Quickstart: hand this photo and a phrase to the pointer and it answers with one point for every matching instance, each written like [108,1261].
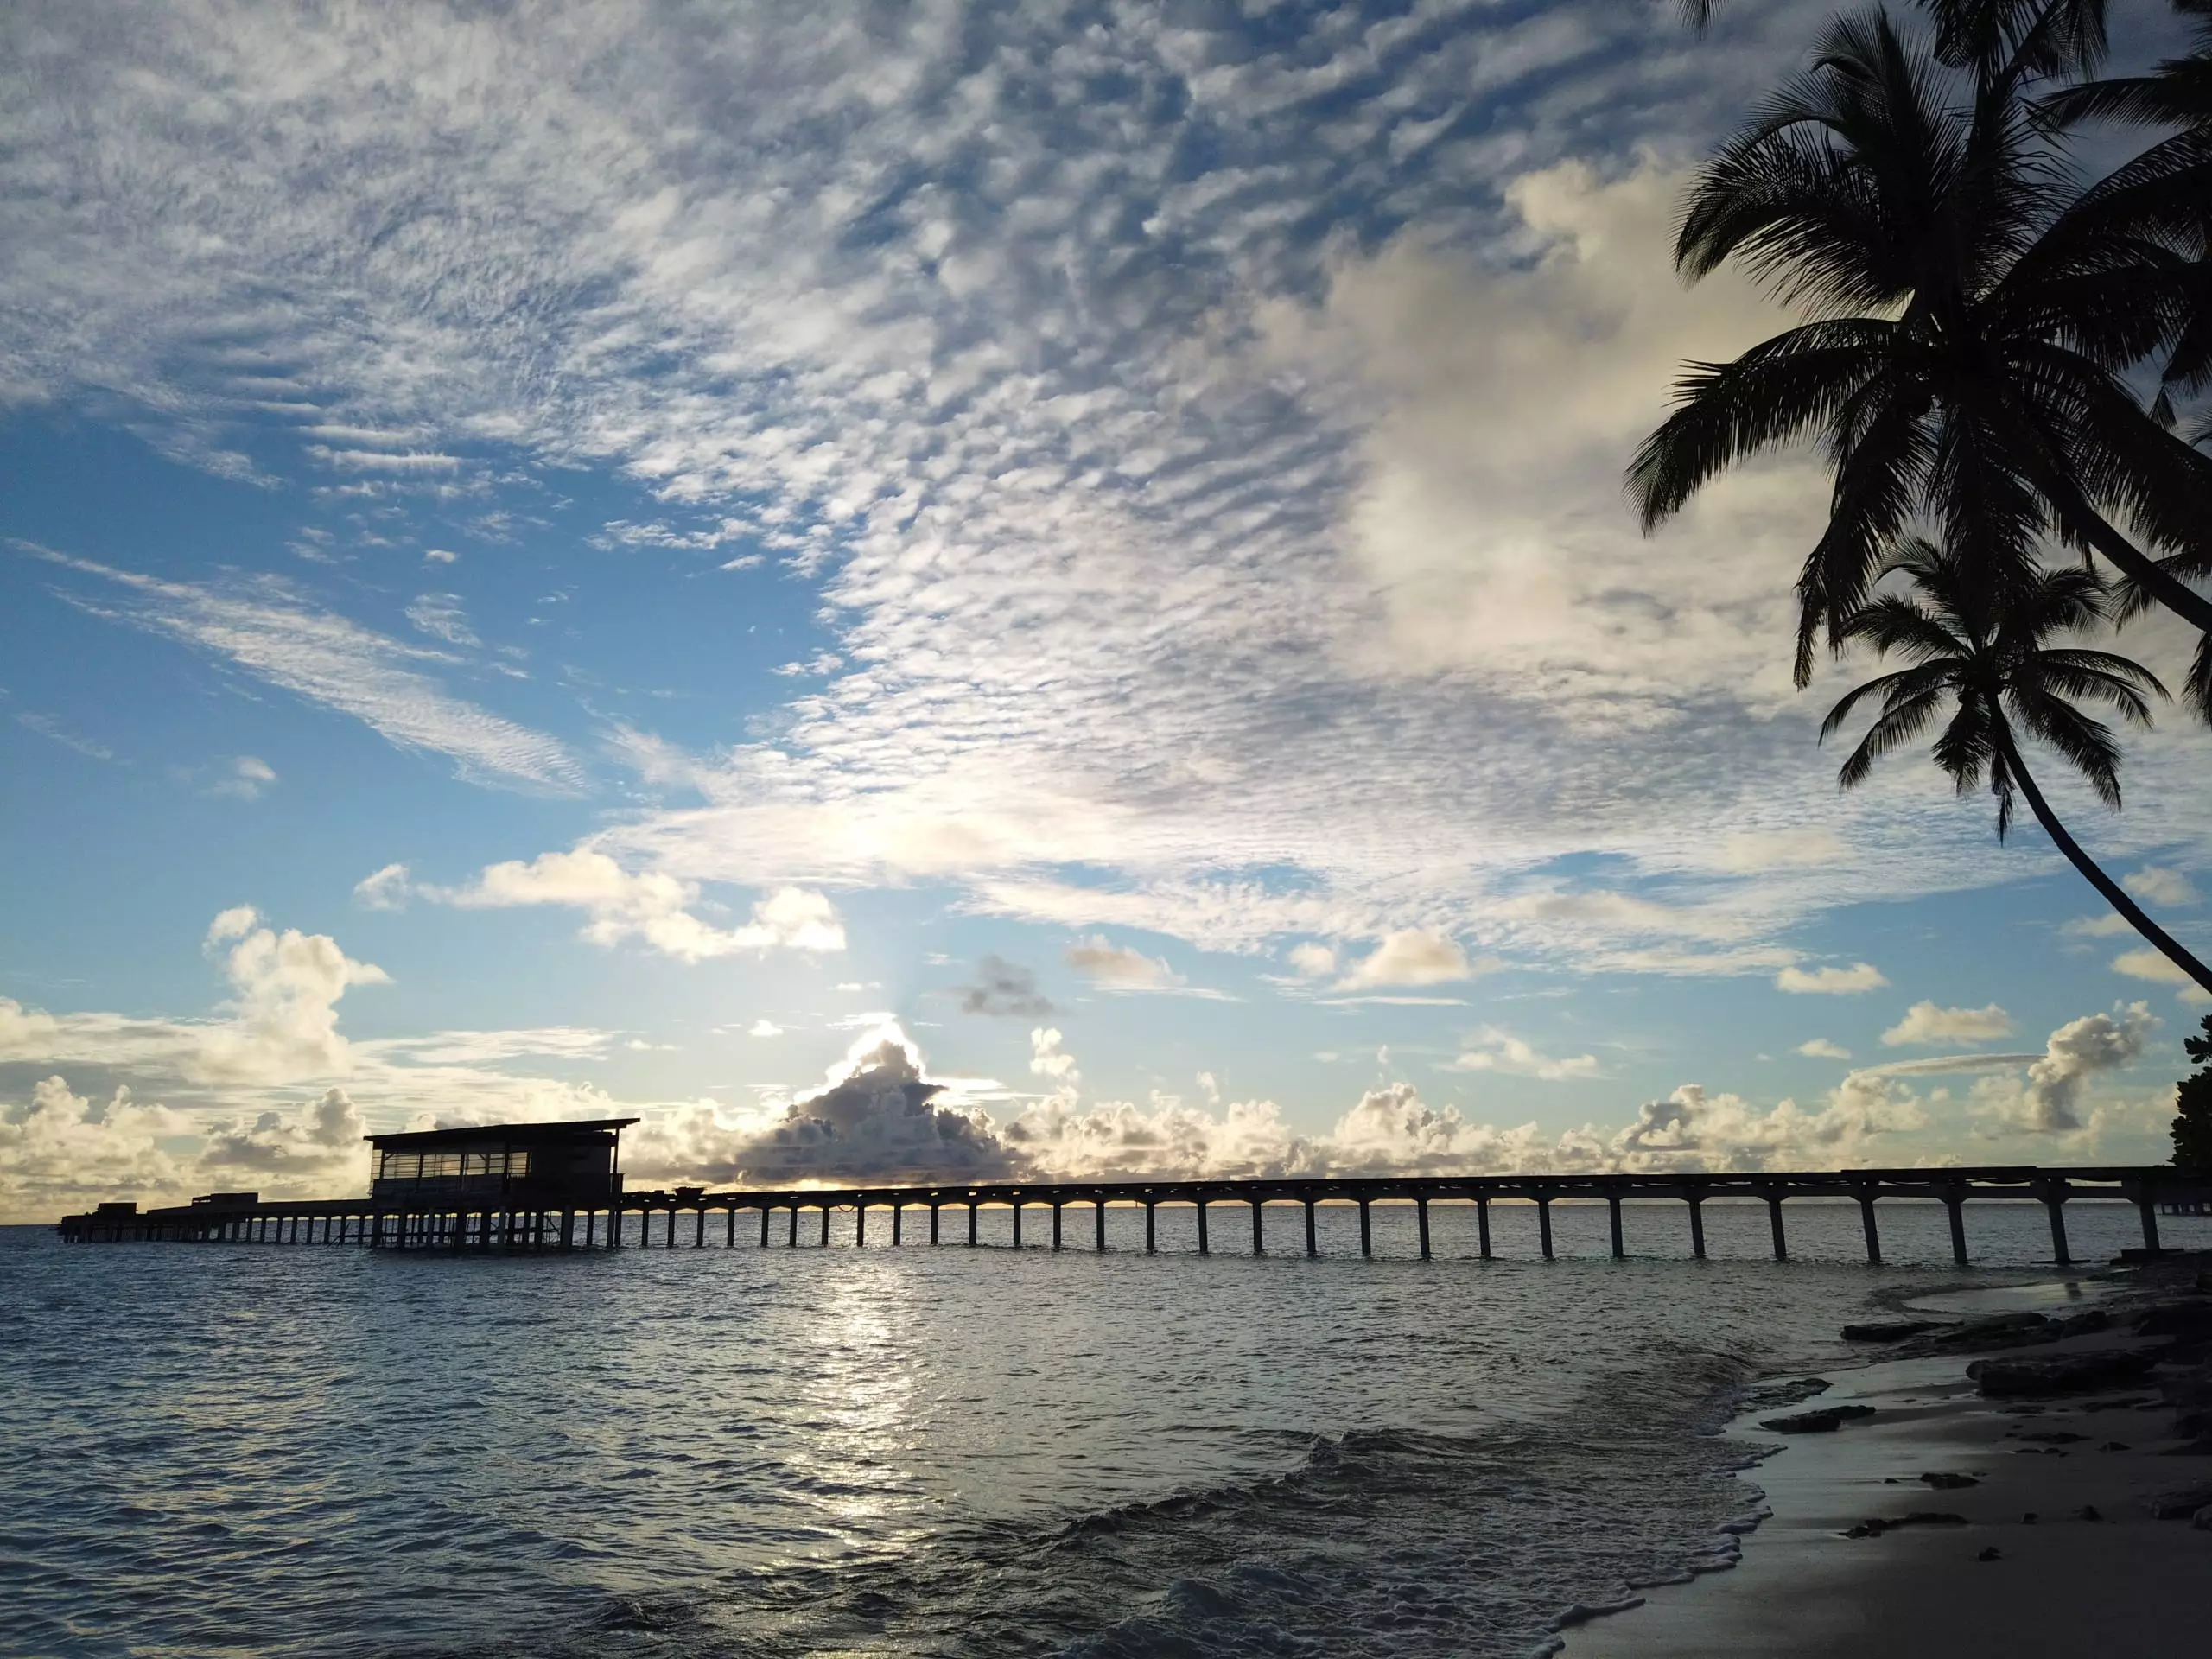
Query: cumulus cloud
[1692,1129]
[284,1009]
[279,1023]
[1410,956]
[1820,1048]
[316,1142]
[1310,960]
[1831,981]
[649,906]
[883,1116]
[1005,989]
[879,1117]
[2049,1101]
[1493,1050]
[2156,884]
[1926,1024]
[764,1028]
[58,1150]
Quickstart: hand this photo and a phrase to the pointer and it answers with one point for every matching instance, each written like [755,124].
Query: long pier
[452,1224]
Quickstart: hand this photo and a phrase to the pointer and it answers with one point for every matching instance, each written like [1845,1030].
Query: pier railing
[430,1224]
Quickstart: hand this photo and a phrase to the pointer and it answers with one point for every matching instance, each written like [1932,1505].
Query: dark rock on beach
[2191,1320]
[1943,1482]
[2061,1373]
[1893,1330]
[1875,1529]
[2176,1505]
[1826,1421]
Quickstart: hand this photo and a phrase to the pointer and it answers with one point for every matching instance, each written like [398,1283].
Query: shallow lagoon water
[311,1450]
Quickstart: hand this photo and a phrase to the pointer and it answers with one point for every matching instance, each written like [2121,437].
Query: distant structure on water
[531,1166]
[535,1186]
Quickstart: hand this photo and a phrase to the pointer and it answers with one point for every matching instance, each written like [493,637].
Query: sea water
[237,1450]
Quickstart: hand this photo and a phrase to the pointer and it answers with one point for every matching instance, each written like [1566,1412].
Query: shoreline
[2063,1584]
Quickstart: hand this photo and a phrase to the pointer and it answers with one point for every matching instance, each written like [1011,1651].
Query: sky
[924,588]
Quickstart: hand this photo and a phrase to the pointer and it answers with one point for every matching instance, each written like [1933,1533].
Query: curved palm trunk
[2114,893]
[2161,584]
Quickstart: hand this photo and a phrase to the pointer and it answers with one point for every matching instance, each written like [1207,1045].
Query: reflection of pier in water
[556,1186]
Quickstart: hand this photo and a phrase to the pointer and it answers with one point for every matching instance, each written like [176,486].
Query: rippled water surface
[259,1450]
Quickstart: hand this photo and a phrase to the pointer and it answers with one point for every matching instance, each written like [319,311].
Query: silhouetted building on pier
[501,1167]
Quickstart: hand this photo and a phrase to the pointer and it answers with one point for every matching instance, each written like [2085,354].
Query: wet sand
[2061,1585]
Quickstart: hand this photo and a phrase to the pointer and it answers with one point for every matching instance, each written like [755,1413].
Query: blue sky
[611,556]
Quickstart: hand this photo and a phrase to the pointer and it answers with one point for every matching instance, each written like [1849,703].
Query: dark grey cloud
[1004,989]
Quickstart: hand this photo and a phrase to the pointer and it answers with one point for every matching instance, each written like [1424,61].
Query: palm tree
[2164,193]
[1969,329]
[1982,652]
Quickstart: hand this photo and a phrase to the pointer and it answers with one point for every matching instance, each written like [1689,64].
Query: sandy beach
[2053,1549]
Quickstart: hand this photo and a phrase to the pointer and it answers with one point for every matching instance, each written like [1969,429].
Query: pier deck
[455,1225]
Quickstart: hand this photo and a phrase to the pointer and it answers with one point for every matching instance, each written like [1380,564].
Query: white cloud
[1310,960]
[2155,884]
[1117,968]
[1694,1130]
[58,1151]
[279,1024]
[879,1117]
[764,1028]
[245,779]
[1831,981]
[442,617]
[267,630]
[1410,956]
[1810,847]
[2105,926]
[1926,1024]
[1500,1051]
[1509,391]
[1130,619]
[1820,1048]
[440,555]
[2049,1102]
[2156,967]
[648,906]
[385,889]
[317,1142]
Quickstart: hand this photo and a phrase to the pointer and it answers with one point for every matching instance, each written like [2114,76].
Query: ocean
[246,1450]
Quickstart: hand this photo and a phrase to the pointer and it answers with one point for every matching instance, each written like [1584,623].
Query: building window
[441,1165]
